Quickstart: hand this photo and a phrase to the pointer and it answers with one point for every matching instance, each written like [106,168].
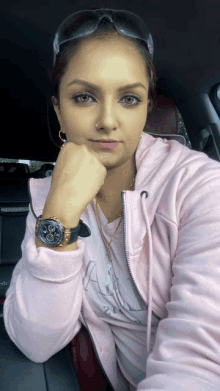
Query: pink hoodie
[171,235]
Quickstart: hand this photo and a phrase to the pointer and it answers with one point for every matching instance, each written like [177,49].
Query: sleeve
[43,302]
[186,354]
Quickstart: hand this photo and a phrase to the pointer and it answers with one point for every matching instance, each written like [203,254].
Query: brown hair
[105,29]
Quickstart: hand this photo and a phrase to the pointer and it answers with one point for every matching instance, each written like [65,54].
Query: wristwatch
[53,234]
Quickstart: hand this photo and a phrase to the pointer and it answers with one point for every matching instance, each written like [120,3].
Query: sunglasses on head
[83,23]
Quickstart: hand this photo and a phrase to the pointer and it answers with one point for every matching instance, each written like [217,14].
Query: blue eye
[90,96]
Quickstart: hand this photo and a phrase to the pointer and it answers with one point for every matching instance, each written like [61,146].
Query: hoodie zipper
[96,352]
[125,248]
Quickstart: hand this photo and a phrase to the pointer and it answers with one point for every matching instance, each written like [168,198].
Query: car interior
[187,59]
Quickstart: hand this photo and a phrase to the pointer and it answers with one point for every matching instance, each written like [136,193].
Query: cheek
[77,123]
[131,143]
[137,118]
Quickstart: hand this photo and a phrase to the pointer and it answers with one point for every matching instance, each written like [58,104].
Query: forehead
[114,58]
[113,46]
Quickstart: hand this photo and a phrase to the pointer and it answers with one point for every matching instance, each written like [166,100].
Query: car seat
[67,369]
[163,120]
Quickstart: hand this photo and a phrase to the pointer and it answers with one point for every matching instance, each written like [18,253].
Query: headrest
[163,119]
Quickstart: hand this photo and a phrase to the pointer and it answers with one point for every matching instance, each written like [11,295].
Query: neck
[117,179]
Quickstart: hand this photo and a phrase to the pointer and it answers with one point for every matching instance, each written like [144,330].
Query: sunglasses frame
[85,22]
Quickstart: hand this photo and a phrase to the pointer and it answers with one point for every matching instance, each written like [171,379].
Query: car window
[32,164]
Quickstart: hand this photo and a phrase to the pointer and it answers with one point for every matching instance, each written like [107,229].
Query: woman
[146,289]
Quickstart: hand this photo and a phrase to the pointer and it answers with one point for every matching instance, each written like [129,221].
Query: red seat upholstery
[87,367]
[163,119]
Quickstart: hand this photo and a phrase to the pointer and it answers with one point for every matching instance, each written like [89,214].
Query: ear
[56,108]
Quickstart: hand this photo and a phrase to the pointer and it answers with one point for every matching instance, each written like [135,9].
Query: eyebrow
[95,87]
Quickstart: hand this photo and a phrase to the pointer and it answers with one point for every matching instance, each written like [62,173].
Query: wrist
[52,208]
[53,233]
[66,223]
[69,247]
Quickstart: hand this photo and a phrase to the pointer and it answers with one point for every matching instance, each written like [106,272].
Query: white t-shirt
[113,296]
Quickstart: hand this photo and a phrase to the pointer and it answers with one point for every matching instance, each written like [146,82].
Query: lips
[105,141]
[103,144]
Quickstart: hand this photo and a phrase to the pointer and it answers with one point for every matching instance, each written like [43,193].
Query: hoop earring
[61,137]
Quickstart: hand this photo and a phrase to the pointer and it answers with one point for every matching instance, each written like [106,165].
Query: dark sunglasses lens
[73,26]
[83,23]
[131,24]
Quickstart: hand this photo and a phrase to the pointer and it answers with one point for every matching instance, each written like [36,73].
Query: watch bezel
[58,228]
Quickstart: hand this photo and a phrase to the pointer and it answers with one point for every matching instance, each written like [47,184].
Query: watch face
[50,232]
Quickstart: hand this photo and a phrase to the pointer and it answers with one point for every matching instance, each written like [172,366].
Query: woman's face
[120,113]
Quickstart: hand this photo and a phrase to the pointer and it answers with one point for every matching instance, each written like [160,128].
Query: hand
[77,177]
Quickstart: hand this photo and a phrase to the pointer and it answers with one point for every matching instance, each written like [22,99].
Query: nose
[107,117]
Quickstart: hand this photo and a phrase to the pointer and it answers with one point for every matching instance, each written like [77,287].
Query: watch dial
[50,232]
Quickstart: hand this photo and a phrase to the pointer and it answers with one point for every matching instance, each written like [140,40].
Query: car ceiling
[186,39]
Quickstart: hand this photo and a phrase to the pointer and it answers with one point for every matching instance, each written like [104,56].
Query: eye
[75,98]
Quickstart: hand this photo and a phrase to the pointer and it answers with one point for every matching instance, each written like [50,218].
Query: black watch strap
[81,230]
